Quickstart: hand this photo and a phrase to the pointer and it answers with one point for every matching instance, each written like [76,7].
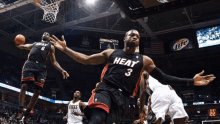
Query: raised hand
[61,45]
[65,74]
[203,80]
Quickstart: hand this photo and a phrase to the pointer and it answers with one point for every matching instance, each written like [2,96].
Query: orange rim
[36,3]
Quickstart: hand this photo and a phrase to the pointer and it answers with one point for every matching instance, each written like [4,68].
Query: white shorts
[164,100]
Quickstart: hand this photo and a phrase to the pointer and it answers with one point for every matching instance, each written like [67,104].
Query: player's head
[77,94]
[138,101]
[46,36]
[132,38]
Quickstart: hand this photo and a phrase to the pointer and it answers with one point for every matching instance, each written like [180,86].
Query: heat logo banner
[108,43]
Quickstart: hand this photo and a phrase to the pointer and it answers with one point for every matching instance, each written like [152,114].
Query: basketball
[19,39]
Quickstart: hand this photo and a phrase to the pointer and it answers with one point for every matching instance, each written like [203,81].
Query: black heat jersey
[124,71]
[40,52]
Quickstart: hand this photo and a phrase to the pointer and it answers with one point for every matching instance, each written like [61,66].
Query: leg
[158,121]
[98,116]
[38,86]
[158,106]
[27,78]
[34,99]
[30,106]
[99,104]
[180,121]
[176,110]
[22,94]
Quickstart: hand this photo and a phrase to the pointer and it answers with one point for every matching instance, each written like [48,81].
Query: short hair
[126,34]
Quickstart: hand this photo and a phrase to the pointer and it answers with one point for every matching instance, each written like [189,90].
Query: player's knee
[98,116]
[37,92]
[24,87]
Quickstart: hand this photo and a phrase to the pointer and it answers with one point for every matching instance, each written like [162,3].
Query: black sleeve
[171,80]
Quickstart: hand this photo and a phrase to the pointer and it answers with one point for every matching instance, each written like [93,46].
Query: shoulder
[80,102]
[69,102]
[147,60]
[108,52]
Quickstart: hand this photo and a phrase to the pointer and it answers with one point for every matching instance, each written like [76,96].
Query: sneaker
[24,120]
[20,112]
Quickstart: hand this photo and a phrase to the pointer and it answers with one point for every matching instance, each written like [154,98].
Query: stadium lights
[90,1]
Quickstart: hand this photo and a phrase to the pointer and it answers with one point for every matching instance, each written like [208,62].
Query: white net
[51,8]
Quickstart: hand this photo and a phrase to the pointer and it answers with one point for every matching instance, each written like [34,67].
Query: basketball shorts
[162,101]
[110,99]
[35,73]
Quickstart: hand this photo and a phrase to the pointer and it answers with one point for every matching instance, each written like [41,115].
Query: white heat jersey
[71,118]
[153,84]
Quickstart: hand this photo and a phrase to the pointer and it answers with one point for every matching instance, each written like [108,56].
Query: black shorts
[35,73]
[110,99]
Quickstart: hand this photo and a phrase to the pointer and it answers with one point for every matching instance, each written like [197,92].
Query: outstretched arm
[155,72]
[56,64]
[24,46]
[94,59]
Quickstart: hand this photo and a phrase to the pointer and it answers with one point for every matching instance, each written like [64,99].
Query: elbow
[53,63]
[86,61]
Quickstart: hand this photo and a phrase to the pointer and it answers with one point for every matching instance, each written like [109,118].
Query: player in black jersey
[121,77]
[34,69]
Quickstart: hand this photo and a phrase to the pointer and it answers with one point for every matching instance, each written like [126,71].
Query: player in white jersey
[75,108]
[163,99]
[145,112]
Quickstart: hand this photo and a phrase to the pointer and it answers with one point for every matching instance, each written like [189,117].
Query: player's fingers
[54,43]
[201,73]
[63,38]
[211,79]
[53,40]
[63,75]
[55,37]
[208,76]
[211,75]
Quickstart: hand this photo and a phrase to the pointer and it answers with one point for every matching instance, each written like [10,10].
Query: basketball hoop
[50,7]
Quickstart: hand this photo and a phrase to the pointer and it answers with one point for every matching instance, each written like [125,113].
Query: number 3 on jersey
[129,72]
[42,48]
